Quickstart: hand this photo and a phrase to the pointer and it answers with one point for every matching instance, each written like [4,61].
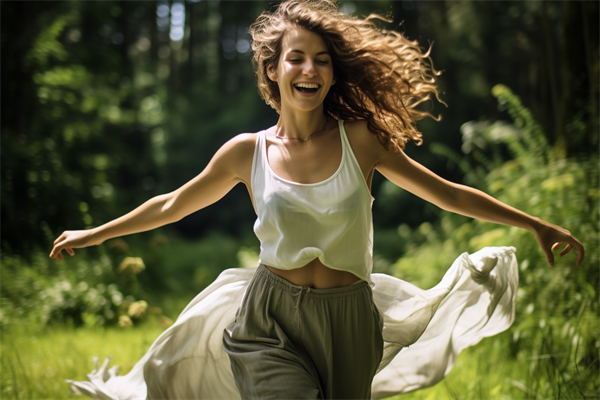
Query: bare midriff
[315,275]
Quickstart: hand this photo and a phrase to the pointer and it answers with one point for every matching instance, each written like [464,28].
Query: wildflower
[131,265]
[125,321]
[136,309]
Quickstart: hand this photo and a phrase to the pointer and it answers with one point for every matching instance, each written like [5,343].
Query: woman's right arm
[229,166]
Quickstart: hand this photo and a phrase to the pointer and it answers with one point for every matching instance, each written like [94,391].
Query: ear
[272,73]
[334,81]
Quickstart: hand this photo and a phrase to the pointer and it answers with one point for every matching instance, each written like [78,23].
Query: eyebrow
[301,52]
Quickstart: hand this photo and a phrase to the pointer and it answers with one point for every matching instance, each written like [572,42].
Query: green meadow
[107,104]
[56,317]
[35,365]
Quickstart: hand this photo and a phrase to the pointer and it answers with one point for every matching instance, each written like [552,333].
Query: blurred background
[106,104]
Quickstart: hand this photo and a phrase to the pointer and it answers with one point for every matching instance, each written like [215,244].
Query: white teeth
[307,85]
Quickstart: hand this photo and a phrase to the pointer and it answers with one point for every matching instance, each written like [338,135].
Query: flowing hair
[381,76]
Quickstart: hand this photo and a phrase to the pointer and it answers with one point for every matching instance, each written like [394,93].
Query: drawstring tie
[298,294]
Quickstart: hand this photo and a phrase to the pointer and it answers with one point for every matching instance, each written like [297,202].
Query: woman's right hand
[70,240]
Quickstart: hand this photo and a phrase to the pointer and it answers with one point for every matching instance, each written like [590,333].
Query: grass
[35,363]
[481,372]
[487,371]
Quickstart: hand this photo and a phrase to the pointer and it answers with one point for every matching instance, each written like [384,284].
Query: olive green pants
[295,342]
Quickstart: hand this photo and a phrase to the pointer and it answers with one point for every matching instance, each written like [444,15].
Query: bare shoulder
[242,144]
[238,149]
[236,156]
[358,132]
[365,144]
[358,129]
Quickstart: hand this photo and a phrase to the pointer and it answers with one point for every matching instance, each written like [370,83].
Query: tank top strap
[259,168]
[347,150]
[261,146]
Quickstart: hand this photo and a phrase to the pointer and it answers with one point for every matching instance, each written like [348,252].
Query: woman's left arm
[412,176]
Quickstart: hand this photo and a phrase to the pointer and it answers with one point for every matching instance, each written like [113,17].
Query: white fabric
[424,331]
[329,220]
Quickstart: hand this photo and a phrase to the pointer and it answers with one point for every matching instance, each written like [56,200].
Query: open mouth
[307,87]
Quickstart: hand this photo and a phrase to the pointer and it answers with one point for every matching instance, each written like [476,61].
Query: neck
[300,124]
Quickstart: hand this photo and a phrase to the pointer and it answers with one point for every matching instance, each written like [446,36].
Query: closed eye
[318,61]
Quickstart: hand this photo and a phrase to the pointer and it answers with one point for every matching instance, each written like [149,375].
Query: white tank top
[330,220]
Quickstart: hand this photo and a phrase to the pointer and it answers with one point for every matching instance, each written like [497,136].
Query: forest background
[106,104]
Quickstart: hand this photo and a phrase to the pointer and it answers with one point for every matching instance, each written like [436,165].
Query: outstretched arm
[412,176]
[229,166]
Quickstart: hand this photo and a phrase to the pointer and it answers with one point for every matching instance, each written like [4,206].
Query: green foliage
[76,150]
[555,333]
[47,45]
[93,127]
[112,284]
[107,113]
[81,291]
[36,363]
[185,267]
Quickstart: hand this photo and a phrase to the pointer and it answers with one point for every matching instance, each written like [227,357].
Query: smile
[308,88]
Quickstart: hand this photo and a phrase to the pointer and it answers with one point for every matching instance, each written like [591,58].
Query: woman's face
[304,72]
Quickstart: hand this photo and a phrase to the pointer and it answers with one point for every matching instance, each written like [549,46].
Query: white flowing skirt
[424,331]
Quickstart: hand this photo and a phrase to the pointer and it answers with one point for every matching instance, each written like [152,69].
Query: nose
[309,68]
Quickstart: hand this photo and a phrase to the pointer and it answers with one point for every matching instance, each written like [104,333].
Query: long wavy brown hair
[381,76]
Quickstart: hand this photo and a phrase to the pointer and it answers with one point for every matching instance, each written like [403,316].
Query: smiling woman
[312,321]
[304,73]
[381,75]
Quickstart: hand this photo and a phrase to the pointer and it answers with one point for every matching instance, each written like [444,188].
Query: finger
[549,257]
[60,238]
[53,252]
[567,249]
[581,252]
[555,245]
[59,256]
[70,251]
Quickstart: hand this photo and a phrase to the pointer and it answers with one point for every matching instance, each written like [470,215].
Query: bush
[81,290]
[112,285]
[557,323]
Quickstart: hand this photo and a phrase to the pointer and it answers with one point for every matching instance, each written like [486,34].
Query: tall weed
[557,326]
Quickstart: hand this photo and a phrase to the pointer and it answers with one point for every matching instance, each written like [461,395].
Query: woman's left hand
[550,237]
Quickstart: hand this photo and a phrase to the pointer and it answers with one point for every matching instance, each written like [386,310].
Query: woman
[311,321]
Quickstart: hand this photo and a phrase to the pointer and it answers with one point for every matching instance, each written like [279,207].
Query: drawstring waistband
[295,290]
[299,296]
[299,293]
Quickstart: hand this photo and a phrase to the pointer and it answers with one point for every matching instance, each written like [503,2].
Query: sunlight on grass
[35,365]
